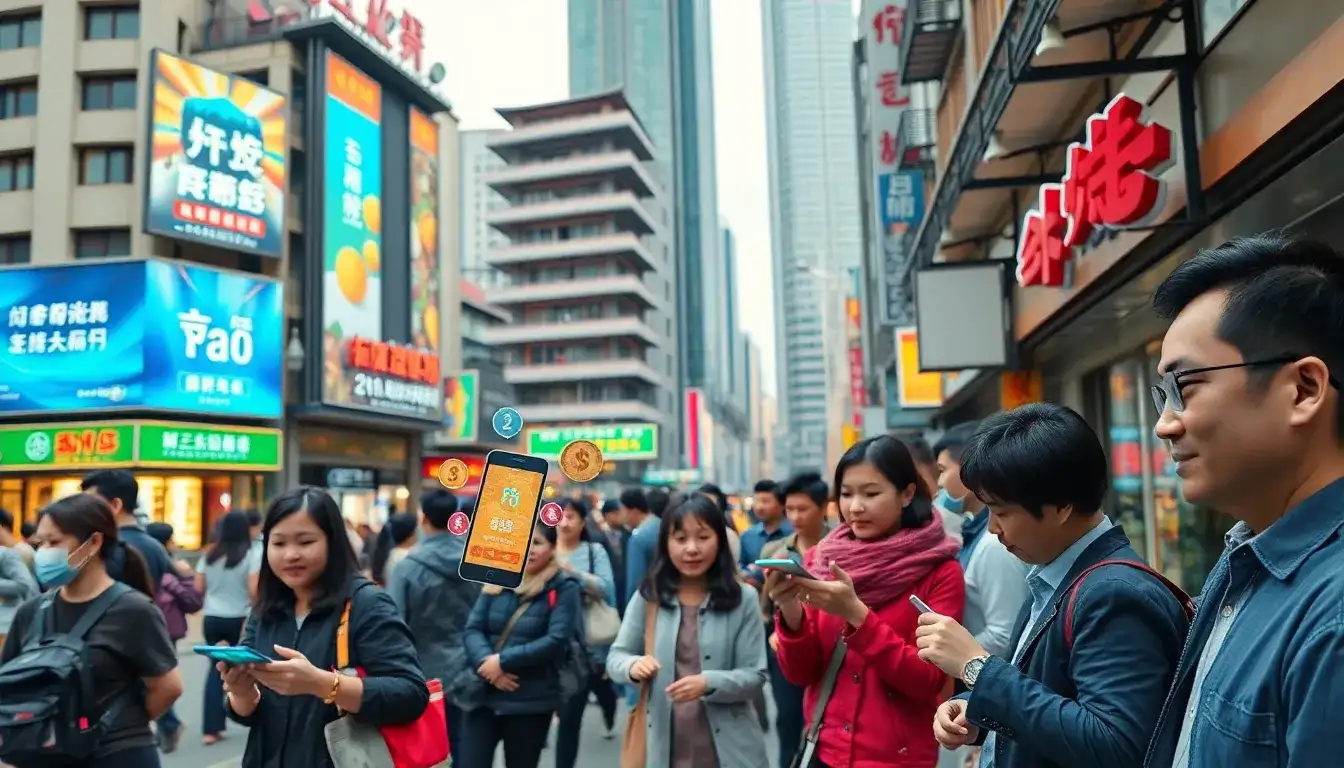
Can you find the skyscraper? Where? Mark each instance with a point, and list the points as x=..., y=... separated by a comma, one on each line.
x=815, y=212
x=476, y=199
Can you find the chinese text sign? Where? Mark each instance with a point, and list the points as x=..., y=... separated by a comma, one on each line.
x=900, y=208
x=883, y=25
x=858, y=390
x=217, y=160
x=424, y=230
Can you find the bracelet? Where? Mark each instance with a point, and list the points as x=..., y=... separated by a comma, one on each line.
x=335, y=688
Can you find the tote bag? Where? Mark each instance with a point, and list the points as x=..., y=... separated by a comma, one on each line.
x=422, y=743
x=601, y=621
x=635, y=746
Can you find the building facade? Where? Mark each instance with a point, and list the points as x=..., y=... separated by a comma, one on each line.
x=588, y=279
x=176, y=274
x=814, y=208
x=477, y=200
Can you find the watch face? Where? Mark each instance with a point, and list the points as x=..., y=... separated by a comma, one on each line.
x=973, y=670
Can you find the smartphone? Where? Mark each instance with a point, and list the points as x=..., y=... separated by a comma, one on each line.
x=503, y=519
x=788, y=565
x=920, y=605
x=233, y=655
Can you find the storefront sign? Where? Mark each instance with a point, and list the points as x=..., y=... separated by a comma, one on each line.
x=352, y=478
x=1112, y=180
x=217, y=169
x=915, y=388
x=858, y=389
x=392, y=377
x=398, y=35
x=462, y=406
x=91, y=445
x=137, y=334
x=673, y=477
x=616, y=441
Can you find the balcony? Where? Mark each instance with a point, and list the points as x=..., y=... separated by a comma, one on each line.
x=578, y=330
x=623, y=410
x=620, y=128
x=931, y=31
x=578, y=288
x=623, y=166
x=622, y=244
x=916, y=137
x=628, y=368
x=629, y=213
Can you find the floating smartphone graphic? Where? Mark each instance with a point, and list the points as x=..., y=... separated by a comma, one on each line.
x=503, y=519
x=920, y=605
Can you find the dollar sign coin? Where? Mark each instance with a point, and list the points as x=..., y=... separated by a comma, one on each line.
x=581, y=461
x=453, y=474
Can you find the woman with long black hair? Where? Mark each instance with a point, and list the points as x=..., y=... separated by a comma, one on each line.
x=308, y=578
x=393, y=543
x=227, y=576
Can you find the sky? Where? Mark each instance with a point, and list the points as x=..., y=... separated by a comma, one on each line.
x=514, y=53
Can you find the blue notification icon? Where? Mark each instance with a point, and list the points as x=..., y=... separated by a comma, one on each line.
x=507, y=423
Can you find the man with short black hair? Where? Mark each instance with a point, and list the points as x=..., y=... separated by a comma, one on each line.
x=643, y=541
x=770, y=525
x=1095, y=649
x=1248, y=400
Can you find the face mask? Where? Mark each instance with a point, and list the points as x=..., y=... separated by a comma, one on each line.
x=52, y=565
x=945, y=502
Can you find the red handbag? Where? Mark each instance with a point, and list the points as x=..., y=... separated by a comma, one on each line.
x=422, y=743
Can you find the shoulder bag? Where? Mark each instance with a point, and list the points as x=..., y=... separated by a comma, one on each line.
x=601, y=621
x=467, y=690
x=806, y=755
x=635, y=746
x=421, y=743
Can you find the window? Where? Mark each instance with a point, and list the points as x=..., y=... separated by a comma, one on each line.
x=16, y=249
x=102, y=243
x=109, y=92
x=259, y=76
x=112, y=22
x=18, y=100
x=105, y=165
x=20, y=31
x=16, y=172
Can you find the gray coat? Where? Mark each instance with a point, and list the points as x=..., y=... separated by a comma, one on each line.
x=16, y=586
x=732, y=655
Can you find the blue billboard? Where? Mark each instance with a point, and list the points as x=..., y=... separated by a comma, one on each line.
x=141, y=334
x=900, y=203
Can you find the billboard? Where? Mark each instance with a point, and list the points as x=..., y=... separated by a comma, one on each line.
x=424, y=230
x=462, y=406
x=109, y=444
x=915, y=388
x=141, y=334
x=217, y=158
x=900, y=208
x=616, y=441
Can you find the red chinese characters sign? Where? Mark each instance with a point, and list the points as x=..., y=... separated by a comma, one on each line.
x=886, y=23
x=858, y=393
x=377, y=20
x=1111, y=180
x=390, y=378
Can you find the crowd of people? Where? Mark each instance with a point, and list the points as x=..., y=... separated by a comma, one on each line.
x=966, y=603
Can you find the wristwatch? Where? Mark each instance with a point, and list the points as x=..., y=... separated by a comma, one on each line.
x=971, y=672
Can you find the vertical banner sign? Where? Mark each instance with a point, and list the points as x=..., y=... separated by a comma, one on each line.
x=915, y=388
x=858, y=393
x=883, y=23
x=692, y=427
x=900, y=205
x=424, y=230
x=217, y=158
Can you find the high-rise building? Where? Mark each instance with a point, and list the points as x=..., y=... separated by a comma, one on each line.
x=814, y=205
x=587, y=274
x=477, y=199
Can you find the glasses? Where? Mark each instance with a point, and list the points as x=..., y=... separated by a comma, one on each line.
x=1167, y=391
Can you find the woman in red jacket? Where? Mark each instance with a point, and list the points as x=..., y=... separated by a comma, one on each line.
x=890, y=547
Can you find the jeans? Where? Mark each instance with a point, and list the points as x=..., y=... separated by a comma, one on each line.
x=169, y=723
x=571, y=716
x=524, y=738
x=788, y=712
x=217, y=629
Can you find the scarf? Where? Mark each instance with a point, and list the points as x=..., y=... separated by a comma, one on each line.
x=886, y=569
x=533, y=583
x=970, y=534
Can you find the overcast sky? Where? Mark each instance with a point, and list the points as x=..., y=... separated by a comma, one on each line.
x=515, y=52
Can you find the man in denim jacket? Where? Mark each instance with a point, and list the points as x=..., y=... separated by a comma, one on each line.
x=1249, y=402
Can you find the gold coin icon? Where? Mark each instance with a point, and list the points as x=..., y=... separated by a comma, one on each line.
x=453, y=474
x=581, y=461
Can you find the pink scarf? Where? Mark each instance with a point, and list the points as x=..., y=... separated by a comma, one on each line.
x=883, y=569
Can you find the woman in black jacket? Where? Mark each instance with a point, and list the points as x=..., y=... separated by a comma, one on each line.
x=521, y=670
x=307, y=576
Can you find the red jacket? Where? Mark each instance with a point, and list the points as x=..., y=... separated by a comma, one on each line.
x=881, y=712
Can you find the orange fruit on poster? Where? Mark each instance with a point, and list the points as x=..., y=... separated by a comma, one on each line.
x=372, y=256
x=352, y=276
x=432, y=326
x=429, y=231
x=373, y=214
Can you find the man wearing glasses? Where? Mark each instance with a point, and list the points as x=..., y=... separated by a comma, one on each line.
x=1249, y=402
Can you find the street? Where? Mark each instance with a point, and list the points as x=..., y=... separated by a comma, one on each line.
x=594, y=750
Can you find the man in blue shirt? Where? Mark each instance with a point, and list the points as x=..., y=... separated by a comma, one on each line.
x=768, y=506
x=1095, y=648
x=1248, y=400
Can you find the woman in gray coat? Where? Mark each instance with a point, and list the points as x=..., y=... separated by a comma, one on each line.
x=708, y=659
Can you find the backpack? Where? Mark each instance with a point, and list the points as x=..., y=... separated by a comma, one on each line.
x=574, y=669
x=47, y=691
x=1187, y=605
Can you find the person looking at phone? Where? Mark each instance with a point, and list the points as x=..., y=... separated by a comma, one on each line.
x=227, y=575
x=132, y=662
x=708, y=661
x=890, y=546
x=1093, y=652
x=308, y=575
x=770, y=526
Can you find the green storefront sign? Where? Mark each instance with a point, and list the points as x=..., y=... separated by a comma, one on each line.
x=618, y=442
x=90, y=445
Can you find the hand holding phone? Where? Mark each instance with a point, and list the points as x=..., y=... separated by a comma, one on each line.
x=788, y=565
x=232, y=655
x=920, y=605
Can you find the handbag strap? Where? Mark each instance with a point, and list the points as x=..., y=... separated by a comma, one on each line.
x=518, y=612
x=650, y=619
x=343, y=637
x=827, y=688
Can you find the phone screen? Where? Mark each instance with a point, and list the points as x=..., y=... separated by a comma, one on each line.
x=502, y=529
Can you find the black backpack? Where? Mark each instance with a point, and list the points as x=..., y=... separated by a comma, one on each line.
x=47, y=694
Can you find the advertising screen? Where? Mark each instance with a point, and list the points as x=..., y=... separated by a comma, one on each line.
x=217, y=160
x=502, y=526
x=424, y=230
x=462, y=406
x=616, y=441
x=137, y=334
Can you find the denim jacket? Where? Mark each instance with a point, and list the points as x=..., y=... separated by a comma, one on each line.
x=1273, y=695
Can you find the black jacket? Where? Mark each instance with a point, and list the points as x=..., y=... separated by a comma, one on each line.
x=286, y=731
x=435, y=603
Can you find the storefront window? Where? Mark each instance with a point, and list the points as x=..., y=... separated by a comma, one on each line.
x=1125, y=448
x=372, y=507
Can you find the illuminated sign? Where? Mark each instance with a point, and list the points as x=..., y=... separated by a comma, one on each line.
x=393, y=377
x=858, y=392
x=398, y=34
x=1112, y=180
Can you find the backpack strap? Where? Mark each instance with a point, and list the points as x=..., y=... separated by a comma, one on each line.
x=1187, y=605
